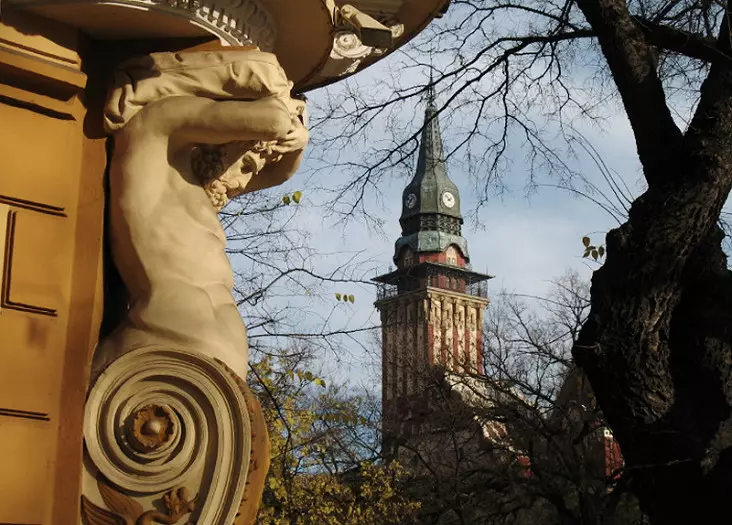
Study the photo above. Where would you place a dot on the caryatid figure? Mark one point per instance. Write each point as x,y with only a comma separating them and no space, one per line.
169,413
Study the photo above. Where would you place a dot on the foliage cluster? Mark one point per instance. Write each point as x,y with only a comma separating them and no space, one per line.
324,466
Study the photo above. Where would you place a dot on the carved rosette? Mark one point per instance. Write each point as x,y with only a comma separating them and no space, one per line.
161,418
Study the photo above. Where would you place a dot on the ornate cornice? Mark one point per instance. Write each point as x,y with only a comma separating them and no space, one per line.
237,22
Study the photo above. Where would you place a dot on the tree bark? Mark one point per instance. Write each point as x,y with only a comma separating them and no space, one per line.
657,346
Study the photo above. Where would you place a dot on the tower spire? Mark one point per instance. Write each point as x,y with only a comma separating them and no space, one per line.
431,92
431,218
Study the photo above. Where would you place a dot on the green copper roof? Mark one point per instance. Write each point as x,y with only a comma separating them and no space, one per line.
425,193
431,219
431,241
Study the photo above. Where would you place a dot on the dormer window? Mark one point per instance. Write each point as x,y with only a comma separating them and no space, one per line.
451,256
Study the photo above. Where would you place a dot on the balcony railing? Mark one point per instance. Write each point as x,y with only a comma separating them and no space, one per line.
389,290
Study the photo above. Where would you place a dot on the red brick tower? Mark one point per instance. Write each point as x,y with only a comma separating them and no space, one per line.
432,305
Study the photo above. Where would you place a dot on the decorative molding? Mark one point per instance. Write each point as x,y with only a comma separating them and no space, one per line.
4,236
24,414
385,11
57,80
259,453
7,273
204,428
69,59
33,206
48,106
237,22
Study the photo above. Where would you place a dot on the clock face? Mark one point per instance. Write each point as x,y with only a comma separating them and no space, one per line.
448,199
411,200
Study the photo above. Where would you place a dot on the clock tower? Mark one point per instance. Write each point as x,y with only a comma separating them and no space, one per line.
432,305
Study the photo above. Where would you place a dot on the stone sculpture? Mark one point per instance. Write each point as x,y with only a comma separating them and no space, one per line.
169,414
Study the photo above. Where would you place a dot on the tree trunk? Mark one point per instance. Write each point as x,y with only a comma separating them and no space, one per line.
657,348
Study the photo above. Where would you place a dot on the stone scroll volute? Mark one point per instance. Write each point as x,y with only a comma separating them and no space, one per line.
172,433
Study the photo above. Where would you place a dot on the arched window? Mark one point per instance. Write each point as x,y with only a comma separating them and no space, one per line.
451,256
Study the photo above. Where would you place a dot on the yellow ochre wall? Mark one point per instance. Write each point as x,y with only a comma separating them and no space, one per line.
52,161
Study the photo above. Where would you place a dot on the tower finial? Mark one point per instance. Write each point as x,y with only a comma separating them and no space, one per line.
431,88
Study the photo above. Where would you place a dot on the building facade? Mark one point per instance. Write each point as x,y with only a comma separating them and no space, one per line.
59,291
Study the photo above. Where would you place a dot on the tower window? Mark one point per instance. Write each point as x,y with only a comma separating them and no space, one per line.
451,256
407,258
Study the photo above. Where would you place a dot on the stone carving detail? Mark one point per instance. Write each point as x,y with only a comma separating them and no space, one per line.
151,427
168,407
124,510
198,422
210,165
348,52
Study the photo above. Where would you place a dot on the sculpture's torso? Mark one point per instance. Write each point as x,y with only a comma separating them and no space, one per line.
169,247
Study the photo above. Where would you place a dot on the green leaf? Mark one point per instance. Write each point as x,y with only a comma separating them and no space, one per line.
601,251
297,196
586,241
286,199
594,254
587,252
338,296
308,376
351,298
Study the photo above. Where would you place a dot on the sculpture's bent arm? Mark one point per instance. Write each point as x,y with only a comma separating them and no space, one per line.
205,121
277,173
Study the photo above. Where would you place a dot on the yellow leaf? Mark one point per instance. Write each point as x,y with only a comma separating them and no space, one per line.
296,196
